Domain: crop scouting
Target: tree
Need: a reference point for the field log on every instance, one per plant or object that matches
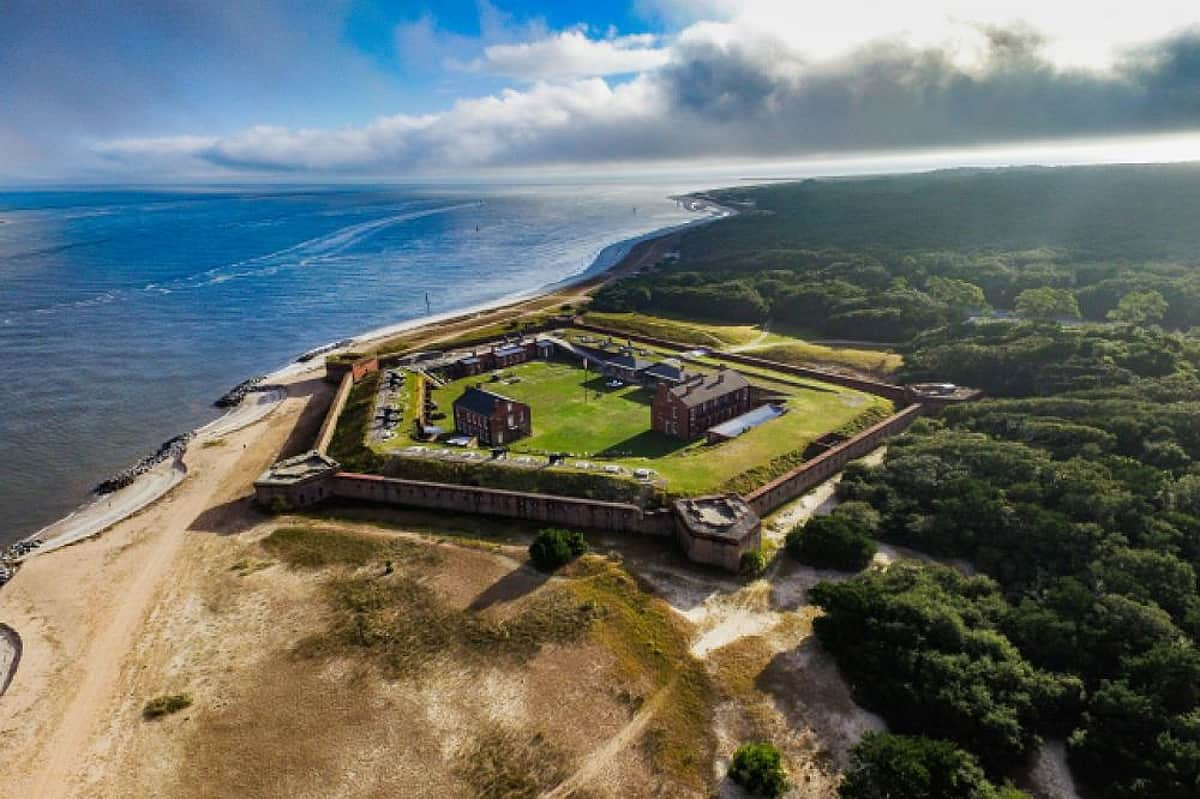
(1140, 308)
(958, 294)
(832, 542)
(554, 547)
(752, 564)
(914, 767)
(1047, 304)
(759, 769)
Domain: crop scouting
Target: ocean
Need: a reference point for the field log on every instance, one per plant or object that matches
(124, 314)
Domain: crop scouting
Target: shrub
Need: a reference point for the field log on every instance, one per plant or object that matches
(555, 547)
(832, 542)
(753, 564)
(165, 705)
(759, 769)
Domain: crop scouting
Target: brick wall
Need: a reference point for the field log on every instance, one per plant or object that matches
(541, 508)
(325, 434)
(809, 474)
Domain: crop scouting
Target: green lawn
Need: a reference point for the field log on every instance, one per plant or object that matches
(573, 412)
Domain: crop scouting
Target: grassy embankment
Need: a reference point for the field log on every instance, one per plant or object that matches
(751, 340)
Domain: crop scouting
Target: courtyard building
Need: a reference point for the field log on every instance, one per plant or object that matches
(687, 410)
(491, 418)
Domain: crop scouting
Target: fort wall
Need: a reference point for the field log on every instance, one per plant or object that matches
(612, 517)
(806, 476)
(325, 434)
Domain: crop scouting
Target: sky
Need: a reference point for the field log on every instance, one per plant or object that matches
(130, 90)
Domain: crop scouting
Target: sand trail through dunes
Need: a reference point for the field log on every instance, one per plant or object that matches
(82, 611)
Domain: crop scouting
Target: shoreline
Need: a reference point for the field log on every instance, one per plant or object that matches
(98, 514)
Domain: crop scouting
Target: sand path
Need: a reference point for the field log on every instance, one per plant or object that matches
(67, 719)
(596, 761)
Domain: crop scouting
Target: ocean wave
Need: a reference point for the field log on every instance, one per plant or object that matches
(297, 255)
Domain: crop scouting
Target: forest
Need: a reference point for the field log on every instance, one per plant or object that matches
(1062, 512)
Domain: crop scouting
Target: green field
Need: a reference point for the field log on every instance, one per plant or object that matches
(574, 412)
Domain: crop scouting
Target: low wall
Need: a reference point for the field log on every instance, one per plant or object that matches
(613, 517)
(809, 474)
(887, 390)
(325, 435)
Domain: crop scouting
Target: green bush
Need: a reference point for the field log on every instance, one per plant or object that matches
(555, 547)
(759, 769)
(915, 767)
(165, 705)
(753, 564)
(832, 542)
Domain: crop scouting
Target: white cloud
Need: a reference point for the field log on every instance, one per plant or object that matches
(769, 81)
(571, 54)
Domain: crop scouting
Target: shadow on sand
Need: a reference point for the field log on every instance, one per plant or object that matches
(521, 581)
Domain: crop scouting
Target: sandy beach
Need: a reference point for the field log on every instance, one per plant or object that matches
(83, 605)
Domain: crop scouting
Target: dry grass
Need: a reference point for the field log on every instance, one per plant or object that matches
(401, 624)
(310, 547)
(459, 673)
(506, 764)
(651, 650)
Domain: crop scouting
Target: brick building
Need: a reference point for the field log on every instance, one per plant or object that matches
(687, 410)
(491, 418)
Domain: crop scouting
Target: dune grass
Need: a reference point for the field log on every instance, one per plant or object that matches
(640, 630)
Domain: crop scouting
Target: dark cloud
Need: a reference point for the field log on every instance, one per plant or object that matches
(888, 95)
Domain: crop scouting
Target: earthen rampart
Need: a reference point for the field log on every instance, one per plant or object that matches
(889, 391)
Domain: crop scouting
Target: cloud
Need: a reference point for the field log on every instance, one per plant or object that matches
(571, 54)
(734, 92)
(265, 91)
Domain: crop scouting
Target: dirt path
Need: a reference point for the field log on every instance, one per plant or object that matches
(596, 761)
(83, 611)
(106, 655)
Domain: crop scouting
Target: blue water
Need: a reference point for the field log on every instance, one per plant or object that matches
(124, 314)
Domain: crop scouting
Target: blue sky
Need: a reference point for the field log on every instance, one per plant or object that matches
(124, 90)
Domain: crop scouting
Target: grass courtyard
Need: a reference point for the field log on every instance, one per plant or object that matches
(574, 412)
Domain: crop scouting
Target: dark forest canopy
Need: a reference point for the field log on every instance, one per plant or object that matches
(1132, 211)
(889, 258)
(1073, 491)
